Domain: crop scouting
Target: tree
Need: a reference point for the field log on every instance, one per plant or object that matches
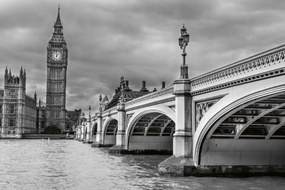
(53, 129)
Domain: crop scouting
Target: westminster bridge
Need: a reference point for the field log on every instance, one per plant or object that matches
(228, 121)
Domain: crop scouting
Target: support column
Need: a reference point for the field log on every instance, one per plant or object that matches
(88, 131)
(76, 134)
(121, 133)
(82, 132)
(20, 128)
(88, 139)
(181, 163)
(79, 132)
(99, 135)
(182, 138)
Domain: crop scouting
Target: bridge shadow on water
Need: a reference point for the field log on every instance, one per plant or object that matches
(144, 170)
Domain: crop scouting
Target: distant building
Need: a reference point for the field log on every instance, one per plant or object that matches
(17, 110)
(20, 114)
(41, 117)
(123, 91)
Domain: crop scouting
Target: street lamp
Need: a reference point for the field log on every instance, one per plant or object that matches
(90, 113)
(183, 41)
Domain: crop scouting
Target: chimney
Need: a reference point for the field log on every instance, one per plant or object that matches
(163, 85)
(127, 85)
(143, 89)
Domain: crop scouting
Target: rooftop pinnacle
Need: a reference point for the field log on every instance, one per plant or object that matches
(58, 21)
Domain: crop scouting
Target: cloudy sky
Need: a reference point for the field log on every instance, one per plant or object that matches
(134, 38)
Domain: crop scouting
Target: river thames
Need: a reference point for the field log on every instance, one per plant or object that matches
(68, 164)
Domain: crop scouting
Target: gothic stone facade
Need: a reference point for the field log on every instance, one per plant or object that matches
(56, 77)
(17, 110)
(19, 113)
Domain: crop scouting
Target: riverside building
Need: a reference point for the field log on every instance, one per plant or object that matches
(17, 110)
(21, 114)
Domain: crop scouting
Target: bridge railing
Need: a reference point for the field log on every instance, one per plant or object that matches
(150, 96)
(231, 74)
(257, 67)
(110, 111)
(141, 100)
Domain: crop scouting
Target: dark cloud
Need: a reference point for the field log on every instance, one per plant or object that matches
(137, 39)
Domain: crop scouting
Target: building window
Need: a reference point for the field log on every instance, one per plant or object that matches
(57, 114)
(12, 108)
(0, 108)
(11, 122)
(0, 122)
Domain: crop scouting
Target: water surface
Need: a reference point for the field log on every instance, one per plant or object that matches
(68, 164)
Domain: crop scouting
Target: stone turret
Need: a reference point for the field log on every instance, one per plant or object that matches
(35, 98)
(11, 80)
(13, 102)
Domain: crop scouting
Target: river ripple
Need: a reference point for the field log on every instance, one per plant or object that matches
(60, 164)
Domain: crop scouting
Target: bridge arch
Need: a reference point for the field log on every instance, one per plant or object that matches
(93, 131)
(151, 130)
(236, 130)
(110, 128)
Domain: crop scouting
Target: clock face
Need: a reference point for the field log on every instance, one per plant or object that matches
(56, 55)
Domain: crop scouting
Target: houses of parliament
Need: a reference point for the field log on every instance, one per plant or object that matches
(21, 114)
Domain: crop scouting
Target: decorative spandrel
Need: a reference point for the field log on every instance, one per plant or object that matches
(129, 116)
(202, 108)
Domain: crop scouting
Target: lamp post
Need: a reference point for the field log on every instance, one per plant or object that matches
(182, 137)
(183, 41)
(90, 113)
(88, 125)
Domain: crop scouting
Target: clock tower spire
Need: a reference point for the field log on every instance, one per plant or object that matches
(58, 21)
(56, 77)
(57, 31)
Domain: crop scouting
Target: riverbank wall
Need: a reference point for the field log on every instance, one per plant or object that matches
(42, 136)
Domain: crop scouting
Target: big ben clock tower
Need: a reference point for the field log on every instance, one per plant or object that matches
(56, 77)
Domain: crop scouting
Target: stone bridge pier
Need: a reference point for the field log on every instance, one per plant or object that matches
(99, 134)
(120, 145)
(182, 138)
